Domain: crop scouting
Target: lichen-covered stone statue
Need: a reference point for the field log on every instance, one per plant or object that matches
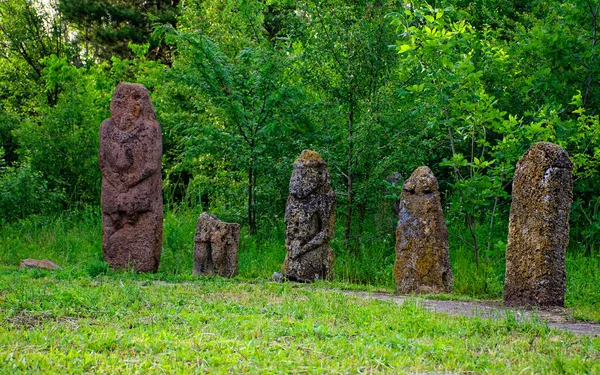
(216, 247)
(422, 260)
(538, 231)
(130, 162)
(309, 220)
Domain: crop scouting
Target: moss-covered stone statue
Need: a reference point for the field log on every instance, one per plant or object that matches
(309, 220)
(422, 258)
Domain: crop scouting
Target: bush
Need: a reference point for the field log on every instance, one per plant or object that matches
(24, 192)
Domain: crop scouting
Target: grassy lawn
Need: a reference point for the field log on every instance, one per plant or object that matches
(85, 318)
(69, 323)
(75, 241)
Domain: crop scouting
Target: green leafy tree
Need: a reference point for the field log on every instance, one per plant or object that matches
(241, 83)
(107, 27)
(62, 144)
(31, 31)
(343, 55)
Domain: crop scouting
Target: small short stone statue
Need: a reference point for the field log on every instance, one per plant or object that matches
(216, 247)
(538, 232)
(130, 161)
(309, 221)
(422, 259)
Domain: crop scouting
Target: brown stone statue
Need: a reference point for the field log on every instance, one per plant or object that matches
(422, 259)
(130, 162)
(538, 231)
(216, 247)
(309, 221)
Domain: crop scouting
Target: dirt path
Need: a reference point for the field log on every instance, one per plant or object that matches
(554, 318)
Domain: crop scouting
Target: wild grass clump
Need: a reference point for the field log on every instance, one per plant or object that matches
(74, 241)
(583, 287)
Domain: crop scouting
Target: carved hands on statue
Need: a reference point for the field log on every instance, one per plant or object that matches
(315, 242)
(146, 172)
(294, 246)
(152, 157)
(121, 158)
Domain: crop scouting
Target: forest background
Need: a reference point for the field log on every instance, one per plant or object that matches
(241, 87)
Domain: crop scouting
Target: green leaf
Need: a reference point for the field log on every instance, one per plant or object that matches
(404, 48)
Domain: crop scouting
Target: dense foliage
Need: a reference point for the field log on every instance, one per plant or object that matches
(241, 87)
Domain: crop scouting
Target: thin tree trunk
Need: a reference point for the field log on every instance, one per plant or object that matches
(349, 175)
(251, 223)
(361, 213)
(348, 210)
(594, 13)
(254, 221)
(489, 244)
(469, 219)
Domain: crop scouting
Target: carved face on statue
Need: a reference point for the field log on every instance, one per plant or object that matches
(422, 181)
(130, 102)
(309, 174)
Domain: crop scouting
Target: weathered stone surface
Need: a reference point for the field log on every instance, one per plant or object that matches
(538, 232)
(422, 259)
(309, 220)
(216, 247)
(43, 264)
(130, 162)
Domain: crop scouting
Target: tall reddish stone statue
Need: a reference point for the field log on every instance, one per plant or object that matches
(422, 259)
(309, 220)
(216, 247)
(538, 231)
(130, 162)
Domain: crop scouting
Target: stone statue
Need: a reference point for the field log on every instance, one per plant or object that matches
(422, 259)
(130, 161)
(216, 247)
(538, 231)
(309, 221)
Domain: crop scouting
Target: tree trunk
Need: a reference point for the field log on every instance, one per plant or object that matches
(470, 221)
(251, 196)
(348, 210)
(254, 228)
(362, 209)
(350, 192)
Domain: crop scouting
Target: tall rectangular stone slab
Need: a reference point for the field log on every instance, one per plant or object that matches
(422, 259)
(538, 232)
(130, 161)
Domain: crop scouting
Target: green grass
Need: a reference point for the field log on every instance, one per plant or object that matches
(85, 318)
(583, 288)
(67, 322)
(74, 242)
